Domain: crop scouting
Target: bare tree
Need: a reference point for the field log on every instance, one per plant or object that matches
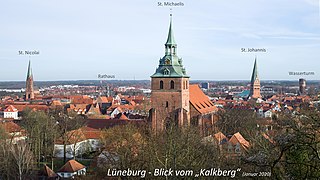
(292, 152)
(66, 123)
(128, 146)
(22, 159)
(237, 120)
(16, 160)
(41, 131)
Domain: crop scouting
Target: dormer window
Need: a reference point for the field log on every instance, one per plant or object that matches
(166, 71)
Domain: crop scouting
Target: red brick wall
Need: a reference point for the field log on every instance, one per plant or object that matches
(177, 98)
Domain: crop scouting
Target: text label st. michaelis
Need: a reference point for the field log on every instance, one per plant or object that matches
(168, 3)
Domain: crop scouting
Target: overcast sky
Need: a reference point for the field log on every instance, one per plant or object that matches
(79, 39)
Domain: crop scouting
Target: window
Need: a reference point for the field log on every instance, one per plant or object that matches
(167, 104)
(171, 84)
(166, 72)
(161, 84)
(237, 148)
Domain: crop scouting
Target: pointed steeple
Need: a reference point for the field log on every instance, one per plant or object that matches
(170, 65)
(255, 71)
(29, 74)
(255, 82)
(170, 39)
(29, 84)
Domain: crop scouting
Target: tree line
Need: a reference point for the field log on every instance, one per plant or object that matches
(290, 151)
(21, 159)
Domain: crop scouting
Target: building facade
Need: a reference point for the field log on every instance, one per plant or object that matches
(10, 112)
(173, 100)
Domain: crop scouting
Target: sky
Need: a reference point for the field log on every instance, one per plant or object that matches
(80, 39)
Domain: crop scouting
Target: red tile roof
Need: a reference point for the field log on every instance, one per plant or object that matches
(102, 99)
(268, 138)
(94, 109)
(237, 138)
(200, 101)
(81, 99)
(56, 103)
(220, 137)
(80, 134)
(91, 133)
(10, 127)
(80, 108)
(49, 172)
(132, 103)
(31, 106)
(11, 108)
(71, 166)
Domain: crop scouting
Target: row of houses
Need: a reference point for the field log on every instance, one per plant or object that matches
(232, 147)
(102, 107)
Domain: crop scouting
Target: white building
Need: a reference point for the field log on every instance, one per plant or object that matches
(79, 142)
(10, 113)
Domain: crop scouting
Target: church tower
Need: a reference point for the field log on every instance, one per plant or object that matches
(170, 89)
(255, 82)
(29, 84)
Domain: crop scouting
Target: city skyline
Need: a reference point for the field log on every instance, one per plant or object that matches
(128, 40)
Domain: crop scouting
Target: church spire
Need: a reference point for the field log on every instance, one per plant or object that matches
(29, 74)
(170, 39)
(255, 71)
(171, 45)
(255, 82)
(170, 65)
(29, 84)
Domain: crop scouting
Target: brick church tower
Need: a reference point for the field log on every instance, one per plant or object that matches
(170, 89)
(29, 84)
(255, 82)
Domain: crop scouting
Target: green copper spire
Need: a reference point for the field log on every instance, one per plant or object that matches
(170, 65)
(29, 74)
(255, 71)
(170, 39)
